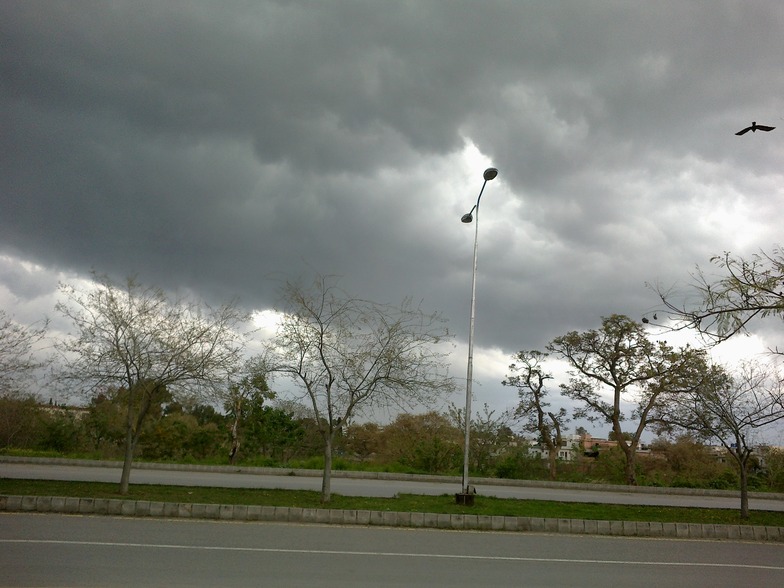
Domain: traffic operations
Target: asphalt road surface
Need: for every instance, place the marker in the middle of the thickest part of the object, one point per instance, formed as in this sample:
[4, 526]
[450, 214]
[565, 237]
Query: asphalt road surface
[62, 550]
[362, 487]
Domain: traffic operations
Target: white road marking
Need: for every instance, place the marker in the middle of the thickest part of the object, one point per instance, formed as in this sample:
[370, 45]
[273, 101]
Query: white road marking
[392, 554]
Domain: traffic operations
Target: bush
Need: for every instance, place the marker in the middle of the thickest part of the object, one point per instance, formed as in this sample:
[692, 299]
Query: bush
[773, 471]
[685, 463]
[609, 467]
[21, 423]
[61, 433]
[519, 465]
[727, 480]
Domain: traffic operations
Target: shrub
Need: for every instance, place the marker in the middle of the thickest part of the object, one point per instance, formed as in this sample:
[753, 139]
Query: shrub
[519, 465]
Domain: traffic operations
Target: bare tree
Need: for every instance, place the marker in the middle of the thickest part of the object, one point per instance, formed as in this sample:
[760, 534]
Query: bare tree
[136, 339]
[529, 377]
[729, 410]
[721, 307]
[18, 361]
[620, 362]
[350, 354]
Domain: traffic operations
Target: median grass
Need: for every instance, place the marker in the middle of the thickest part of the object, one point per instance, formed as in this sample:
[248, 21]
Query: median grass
[485, 505]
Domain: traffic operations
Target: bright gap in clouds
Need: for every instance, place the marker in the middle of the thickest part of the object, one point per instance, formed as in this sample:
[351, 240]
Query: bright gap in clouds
[730, 353]
[266, 321]
[264, 324]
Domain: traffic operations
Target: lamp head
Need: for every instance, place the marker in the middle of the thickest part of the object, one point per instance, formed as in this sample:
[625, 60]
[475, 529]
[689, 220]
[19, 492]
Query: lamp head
[467, 218]
[490, 173]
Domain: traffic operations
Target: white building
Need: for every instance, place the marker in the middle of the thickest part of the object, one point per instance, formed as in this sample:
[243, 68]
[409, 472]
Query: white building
[571, 448]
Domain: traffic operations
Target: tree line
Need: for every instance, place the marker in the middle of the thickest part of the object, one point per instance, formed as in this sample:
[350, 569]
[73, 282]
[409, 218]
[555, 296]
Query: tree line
[144, 359]
[275, 433]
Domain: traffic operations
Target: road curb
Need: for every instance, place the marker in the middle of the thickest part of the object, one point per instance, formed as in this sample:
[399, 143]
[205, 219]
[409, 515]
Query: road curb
[233, 512]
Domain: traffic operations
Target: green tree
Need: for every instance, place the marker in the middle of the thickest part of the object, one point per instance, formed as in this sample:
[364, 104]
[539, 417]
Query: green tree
[208, 439]
[750, 289]
[619, 362]
[244, 398]
[104, 423]
[529, 377]
[168, 436]
[349, 355]
[135, 338]
[205, 414]
[272, 432]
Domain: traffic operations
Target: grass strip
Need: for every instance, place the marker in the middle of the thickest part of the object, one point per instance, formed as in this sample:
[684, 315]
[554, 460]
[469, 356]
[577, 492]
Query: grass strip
[444, 504]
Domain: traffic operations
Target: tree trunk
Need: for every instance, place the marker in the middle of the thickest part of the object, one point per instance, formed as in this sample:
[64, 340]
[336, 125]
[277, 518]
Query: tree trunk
[744, 490]
[125, 478]
[132, 435]
[552, 456]
[631, 469]
[629, 452]
[326, 480]
[131, 441]
[553, 443]
[235, 437]
[553, 459]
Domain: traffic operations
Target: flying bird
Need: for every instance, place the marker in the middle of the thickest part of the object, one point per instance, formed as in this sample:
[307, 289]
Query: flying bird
[754, 128]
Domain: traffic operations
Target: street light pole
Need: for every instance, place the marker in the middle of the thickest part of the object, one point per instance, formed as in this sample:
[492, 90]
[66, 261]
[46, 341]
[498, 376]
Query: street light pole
[467, 495]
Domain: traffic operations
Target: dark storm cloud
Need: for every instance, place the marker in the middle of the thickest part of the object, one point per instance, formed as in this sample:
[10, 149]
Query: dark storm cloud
[222, 147]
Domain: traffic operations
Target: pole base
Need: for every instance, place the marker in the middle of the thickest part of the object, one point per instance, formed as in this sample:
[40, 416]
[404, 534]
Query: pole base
[465, 498]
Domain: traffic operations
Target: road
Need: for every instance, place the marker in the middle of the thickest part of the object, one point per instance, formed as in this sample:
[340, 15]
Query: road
[62, 550]
[364, 487]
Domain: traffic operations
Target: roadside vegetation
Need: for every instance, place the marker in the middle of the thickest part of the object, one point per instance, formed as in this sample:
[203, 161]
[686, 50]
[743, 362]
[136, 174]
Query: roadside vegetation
[275, 436]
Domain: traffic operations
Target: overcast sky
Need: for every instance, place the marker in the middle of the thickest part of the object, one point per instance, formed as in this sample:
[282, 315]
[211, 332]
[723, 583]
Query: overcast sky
[220, 147]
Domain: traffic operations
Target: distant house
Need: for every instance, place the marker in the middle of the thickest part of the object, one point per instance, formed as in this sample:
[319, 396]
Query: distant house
[573, 446]
[760, 452]
[593, 445]
[570, 449]
[77, 412]
[763, 452]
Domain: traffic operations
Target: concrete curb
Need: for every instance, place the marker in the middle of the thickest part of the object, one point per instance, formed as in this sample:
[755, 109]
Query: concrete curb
[230, 512]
